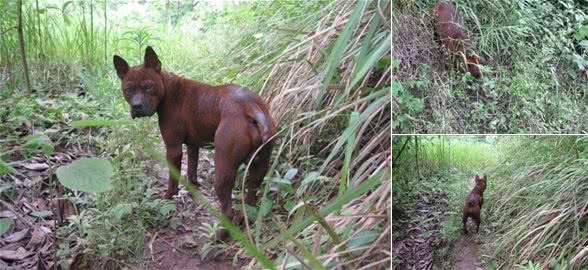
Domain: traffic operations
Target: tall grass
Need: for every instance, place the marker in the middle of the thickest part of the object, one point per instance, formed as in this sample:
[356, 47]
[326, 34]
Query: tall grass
[540, 207]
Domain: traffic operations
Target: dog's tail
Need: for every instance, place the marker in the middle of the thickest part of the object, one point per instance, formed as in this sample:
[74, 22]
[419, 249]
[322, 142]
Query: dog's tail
[259, 119]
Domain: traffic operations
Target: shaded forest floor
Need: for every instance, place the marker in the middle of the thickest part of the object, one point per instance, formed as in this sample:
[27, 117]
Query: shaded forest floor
[36, 204]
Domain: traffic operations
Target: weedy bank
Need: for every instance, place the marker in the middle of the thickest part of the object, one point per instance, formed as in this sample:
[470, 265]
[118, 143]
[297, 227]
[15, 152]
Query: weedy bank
[535, 80]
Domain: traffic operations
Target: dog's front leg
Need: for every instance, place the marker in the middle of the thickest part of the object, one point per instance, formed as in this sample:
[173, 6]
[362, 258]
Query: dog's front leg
[174, 160]
[193, 164]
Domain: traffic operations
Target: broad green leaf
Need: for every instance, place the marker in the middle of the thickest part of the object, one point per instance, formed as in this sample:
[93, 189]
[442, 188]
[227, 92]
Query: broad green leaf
[265, 207]
[167, 208]
[5, 224]
[86, 174]
[37, 141]
[121, 210]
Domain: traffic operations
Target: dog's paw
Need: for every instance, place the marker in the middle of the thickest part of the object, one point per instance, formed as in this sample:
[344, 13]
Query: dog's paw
[168, 196]
[238, 218]
[222, 235]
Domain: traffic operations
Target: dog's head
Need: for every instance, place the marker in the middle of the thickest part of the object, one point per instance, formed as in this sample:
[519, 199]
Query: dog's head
[481, 182]
[142, 85]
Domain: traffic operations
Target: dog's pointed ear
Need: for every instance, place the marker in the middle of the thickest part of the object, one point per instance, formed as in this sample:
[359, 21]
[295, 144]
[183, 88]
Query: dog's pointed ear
[151, 60]
[121, 66]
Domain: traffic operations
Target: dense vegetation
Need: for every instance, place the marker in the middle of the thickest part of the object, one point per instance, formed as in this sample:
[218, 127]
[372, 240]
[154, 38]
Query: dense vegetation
[535, 214]
[535, 81]
[323, 67]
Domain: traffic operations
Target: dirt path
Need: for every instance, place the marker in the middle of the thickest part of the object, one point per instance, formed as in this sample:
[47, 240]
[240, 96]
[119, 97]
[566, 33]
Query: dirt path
[465, 251]
[465, 254]
[419, 231]
[182, 247]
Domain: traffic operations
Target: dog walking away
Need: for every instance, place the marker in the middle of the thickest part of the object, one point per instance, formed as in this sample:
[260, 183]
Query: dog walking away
[473, 203]
[194, 113]
[455, 38]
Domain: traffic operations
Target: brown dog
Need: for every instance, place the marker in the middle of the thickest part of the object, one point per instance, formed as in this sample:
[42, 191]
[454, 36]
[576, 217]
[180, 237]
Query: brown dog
[193, 113]
[473, 203]
[455, 38]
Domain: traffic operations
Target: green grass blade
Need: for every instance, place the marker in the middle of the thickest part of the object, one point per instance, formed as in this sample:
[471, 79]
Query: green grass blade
[371, 60]
[351, 128]
[312, 260]
[99, 122]
[343, 182]
[351, 194]
[338, 50]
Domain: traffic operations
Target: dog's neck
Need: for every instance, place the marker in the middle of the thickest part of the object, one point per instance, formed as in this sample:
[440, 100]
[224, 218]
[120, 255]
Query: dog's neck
[172, 86]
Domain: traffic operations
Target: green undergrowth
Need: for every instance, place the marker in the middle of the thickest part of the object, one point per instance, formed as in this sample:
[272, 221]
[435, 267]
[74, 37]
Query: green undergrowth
[538, 214]
[535, 80]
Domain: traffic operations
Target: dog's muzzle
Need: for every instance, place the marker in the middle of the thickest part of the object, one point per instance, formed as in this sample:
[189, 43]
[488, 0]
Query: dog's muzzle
[140, 110]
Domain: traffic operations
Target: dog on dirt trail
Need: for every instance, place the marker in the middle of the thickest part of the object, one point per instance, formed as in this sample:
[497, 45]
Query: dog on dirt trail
[473, 203]
[455, 38]
[194, 113]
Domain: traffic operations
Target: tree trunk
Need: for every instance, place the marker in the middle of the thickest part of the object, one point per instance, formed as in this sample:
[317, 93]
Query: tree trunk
[22, 46]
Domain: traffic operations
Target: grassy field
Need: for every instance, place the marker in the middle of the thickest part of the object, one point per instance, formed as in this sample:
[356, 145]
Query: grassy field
[535, 202]
[320, 65]
[535, 80]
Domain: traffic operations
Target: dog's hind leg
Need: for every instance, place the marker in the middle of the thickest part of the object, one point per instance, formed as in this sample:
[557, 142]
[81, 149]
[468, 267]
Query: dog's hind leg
[464, 220]
[257, 171]
[476, 218]
[230, 151]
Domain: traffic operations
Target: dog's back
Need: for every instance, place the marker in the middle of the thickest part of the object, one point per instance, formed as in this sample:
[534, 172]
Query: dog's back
[453, 35]
[473, 203]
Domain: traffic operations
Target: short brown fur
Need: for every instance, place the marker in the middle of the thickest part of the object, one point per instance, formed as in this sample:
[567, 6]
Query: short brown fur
[473, 203]
[194, 113]
[454, 37]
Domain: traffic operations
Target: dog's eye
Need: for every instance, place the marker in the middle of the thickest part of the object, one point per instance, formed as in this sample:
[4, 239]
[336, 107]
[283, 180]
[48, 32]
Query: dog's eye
[149, 88]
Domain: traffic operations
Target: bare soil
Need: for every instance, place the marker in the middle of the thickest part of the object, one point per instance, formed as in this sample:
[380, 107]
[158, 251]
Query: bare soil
[180, 248]
[465, 254]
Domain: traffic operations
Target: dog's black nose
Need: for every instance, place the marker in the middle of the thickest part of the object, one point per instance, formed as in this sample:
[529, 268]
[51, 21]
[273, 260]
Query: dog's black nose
[136, 107]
